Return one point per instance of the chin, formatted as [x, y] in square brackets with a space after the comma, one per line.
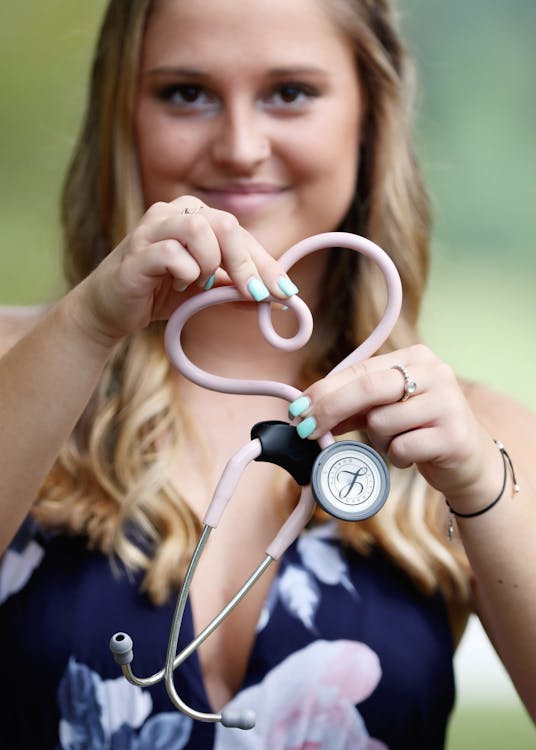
[277, 243]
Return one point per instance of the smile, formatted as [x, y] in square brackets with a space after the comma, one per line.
[240, 199]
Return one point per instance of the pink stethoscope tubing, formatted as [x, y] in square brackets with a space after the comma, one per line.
[121, 644]
[297, 520]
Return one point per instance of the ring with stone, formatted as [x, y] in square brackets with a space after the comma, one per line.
[410, 386]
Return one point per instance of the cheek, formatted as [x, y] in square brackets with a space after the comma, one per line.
[162, 155]
[330, 146]
[328, 166]
[341, 162]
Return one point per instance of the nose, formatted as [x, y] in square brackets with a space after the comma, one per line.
[241, 142]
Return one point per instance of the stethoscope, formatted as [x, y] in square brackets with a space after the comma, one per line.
[348, 479]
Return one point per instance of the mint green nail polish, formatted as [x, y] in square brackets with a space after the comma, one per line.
[307, 427]
[299, 406]
[287, 286]
[257, 289]
[210, 282]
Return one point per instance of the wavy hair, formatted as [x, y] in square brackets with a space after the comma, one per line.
[110, 482]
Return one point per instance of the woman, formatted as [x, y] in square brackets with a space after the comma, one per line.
[217, 135]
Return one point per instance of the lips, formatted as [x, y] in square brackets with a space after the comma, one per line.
[240, 198]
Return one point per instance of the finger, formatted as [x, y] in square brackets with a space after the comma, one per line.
[195, 236]
[420, 446]
[249, 265]
[372, 377]
[181, 219]
[215, 238]
[270, 270]
[252, 269]
[344, 399]
[341, 400]
[384, 423]
[167, 257]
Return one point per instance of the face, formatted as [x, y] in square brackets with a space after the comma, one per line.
[255, 107]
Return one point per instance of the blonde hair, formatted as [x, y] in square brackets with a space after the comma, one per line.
[110, 481]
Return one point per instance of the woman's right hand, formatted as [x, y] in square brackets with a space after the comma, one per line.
[175, 245]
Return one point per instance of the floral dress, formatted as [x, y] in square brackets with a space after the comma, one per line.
[348, 655]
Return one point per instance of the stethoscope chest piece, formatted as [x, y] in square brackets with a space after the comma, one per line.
[350, 480]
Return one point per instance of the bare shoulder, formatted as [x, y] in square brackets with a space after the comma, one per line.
[505, 418]
[16, 321]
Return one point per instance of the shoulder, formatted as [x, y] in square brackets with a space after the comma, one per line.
[505, 418]
[16, 321]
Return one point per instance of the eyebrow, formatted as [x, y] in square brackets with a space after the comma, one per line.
[298, 70]
[174, 70]
[273, 72]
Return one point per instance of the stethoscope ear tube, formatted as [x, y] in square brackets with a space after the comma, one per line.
[121, 647]
[238, 719]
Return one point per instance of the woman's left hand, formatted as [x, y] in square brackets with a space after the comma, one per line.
[436, 429]
[433, 427]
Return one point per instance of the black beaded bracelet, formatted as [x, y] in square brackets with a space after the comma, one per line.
[507, 461]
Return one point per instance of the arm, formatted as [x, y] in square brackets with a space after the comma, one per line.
[46, 379]
[48, 376]
[501, 546]
[450, 438]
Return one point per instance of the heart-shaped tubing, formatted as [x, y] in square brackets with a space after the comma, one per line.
[231, 294]
[302, 512]
[236, 385]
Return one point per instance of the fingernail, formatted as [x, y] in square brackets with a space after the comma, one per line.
[210, 282]
[257, 289]
[298, 406]
[287, 286]
[182, 288]
[307, 427]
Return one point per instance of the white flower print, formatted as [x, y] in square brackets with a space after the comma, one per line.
[16, 568]
[297, 588]
[300, 594]
[308, 702]
[122, 703]
[99, 714]
[325, 561]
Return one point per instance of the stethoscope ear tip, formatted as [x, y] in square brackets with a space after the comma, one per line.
[238, 719]
[121, 646]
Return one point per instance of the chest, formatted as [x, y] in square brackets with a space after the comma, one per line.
[318, 595]
[233, 553]
[258, 504]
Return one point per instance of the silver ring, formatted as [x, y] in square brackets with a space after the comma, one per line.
[188, 210]
[410, 386]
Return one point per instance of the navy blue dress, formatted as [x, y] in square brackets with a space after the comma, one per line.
[348, 654]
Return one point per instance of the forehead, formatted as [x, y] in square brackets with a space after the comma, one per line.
[244, 31]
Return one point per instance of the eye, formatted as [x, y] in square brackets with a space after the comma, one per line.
[188, 93]
[292, 94]
[187, 96]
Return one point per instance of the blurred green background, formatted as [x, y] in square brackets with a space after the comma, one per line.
[476, 139]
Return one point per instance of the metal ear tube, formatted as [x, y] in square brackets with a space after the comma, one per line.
[348, 479]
